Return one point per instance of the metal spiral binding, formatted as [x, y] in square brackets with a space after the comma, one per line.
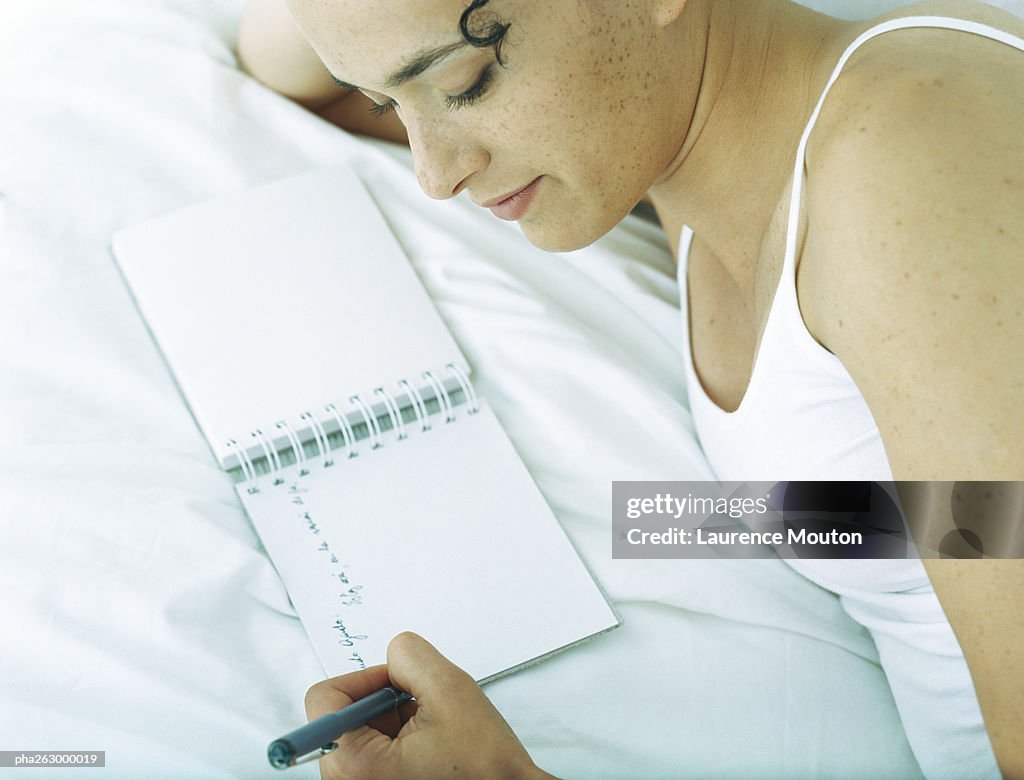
[247, 469]
[314, 424]
[300, 456]
[442, 396]
[273, 461]
[396, 416]
[418, 405]
[369, 418]
[346, 430]
[321, 438]
[467, 388]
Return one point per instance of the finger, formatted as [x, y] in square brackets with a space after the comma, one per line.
[334, 693]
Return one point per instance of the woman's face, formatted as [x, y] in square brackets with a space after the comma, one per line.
[579, 120]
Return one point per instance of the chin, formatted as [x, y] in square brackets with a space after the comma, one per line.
[557, 243]
[563, 238]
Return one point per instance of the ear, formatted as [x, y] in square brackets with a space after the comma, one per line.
[664, 12]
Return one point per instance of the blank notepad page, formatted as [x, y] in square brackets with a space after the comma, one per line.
[274, 301]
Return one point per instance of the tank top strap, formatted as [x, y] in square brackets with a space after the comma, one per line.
[788, 282]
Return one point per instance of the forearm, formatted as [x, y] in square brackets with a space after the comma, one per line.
[982, 599]
[272, 49]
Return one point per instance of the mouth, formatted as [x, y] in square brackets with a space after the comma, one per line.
[513, 206]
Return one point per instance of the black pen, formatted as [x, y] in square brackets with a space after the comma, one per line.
[317, 738]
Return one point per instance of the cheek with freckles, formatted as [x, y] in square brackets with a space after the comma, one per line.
[588, 113]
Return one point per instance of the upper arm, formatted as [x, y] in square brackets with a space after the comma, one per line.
[273, 49]
[916, 236]
[916, 204]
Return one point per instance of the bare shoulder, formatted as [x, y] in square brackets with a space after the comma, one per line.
[916, 163]
[903, 77]
[910, 268]
[891, 81]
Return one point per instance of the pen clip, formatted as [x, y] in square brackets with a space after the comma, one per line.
[316, 755]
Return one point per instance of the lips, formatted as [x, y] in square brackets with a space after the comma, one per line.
[515, 205]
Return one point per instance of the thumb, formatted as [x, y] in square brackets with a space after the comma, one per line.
[416, 666]
[455, 724]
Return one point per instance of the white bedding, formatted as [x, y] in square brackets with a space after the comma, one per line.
[141, 616]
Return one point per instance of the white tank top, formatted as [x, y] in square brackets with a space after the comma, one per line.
[803, 418]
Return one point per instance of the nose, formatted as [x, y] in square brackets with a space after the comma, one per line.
[444, 157]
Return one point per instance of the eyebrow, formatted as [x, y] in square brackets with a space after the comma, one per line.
[412, 67]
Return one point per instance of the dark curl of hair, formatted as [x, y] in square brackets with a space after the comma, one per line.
[490, 34]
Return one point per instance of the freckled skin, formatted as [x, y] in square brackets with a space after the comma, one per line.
[599, 128]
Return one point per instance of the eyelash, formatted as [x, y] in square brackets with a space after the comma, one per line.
[474, 93]
[453, 102]
[380, 109]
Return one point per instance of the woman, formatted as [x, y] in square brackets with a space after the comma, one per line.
[854, 294]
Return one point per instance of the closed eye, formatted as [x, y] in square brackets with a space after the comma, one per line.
[463, 99]
[475, 92]
[381, 109]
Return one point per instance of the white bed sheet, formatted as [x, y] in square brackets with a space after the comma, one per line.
[141, 616]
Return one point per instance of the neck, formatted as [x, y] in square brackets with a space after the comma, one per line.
[764, 66]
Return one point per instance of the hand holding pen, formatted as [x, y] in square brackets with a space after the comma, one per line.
[449, 730]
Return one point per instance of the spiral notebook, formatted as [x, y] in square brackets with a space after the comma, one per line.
[381, 485]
